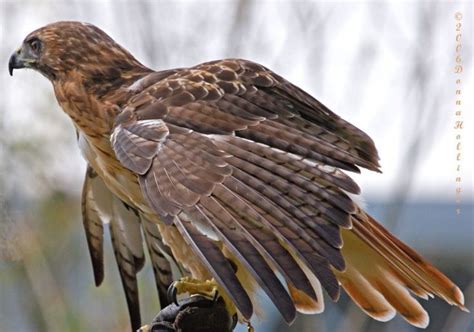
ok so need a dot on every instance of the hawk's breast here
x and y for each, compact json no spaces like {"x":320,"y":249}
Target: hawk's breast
{"x":124,"y":184}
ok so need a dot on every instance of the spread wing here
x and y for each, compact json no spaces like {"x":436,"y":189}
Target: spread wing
{"x":100,"y":206}
{"x":229,"y":150}
{"x":192,"y":138}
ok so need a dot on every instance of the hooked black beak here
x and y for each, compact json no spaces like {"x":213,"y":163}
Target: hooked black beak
{"x":15,"y":62}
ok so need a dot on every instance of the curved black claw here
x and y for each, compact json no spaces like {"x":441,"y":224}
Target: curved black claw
{"x":172,"y":294}
{"x":216,"y":296}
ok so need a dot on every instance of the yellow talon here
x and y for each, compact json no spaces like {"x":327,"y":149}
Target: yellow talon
{"x":144,"y":328}
{"x":193,"y":286}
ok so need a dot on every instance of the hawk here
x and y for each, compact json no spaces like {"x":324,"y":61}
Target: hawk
{"x":230,"y":175}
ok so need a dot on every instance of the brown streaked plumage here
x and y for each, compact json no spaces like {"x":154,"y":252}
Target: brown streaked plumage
{"x":225,"y":165}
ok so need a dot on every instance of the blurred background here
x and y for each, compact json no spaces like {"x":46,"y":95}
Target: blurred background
{"x":387,"y":67}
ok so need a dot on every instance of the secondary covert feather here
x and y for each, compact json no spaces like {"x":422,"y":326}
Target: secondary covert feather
{"x":230,"y":172}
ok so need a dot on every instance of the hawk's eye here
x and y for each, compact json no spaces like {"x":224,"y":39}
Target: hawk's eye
{"x":35,"y":44}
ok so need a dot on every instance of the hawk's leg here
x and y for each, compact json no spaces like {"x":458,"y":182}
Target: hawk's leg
{"x":207,"y":288}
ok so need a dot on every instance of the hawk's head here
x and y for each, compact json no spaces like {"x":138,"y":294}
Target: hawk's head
{"x":59,"y":48}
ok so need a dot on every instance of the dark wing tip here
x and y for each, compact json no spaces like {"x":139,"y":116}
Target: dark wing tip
{"x":134,"y":312}
{"x":245,"y":307}
{"x":126,"y":266}
{"x":93,"y":228}
{"x":289,"y":315}
{"x":98,"y":269}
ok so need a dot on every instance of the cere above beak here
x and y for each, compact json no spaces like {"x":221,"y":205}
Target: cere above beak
{"x":15,"y":62}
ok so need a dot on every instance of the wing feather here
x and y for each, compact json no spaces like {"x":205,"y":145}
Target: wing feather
{"x":127,"y":269}
{"x":93,"y":226}
{"x":217,"y":263}
{"x":101,"y":206}
{"x":382,"y":270}
{"x":248,"y":220}
{"x":161,"y":265}
{"x":225,"y":226}
{"x":282,"y":144}
{"x":292,"y":163}
{"x":245,"y":163}
{"x":291,"y":233}
{"x":125,"y":232}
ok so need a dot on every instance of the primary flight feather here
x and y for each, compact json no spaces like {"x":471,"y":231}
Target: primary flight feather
{"x":231,"y":173}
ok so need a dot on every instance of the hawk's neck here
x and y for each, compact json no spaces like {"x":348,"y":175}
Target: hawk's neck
{"x":94,"y":101}
{"x":106,"y":82}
